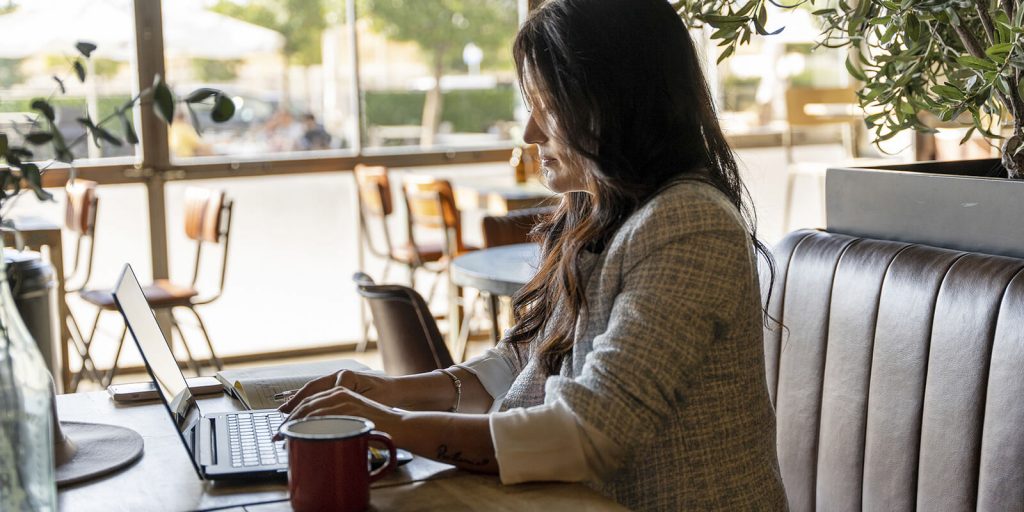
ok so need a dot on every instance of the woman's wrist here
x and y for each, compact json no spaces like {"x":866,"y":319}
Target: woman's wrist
{"x":432,"y":391}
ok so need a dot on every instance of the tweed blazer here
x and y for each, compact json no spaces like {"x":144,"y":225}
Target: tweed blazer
{"x":668,"y":361}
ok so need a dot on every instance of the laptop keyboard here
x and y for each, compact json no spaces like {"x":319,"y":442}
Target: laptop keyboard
{"x":249,"y":438}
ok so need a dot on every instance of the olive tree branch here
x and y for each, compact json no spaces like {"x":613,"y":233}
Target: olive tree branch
{"x":990,"y":30}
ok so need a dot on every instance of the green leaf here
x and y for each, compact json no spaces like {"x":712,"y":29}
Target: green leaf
{"x":998,"y":50}
{"x":79,"y":70}
{"x":85,"y":48}
{"x":976,"y":63}
{"x":196,"y":125}
{"x":163,"y":100}
{"x":725,"y":55}
{"x":201,"y":94}
{"x":948,"y":92}
{"x":39,"y":138}
{"x":43,"y":107}
{"x":718,"y":18}
{"x":129,"y":131}
{"x":34,"y":178}
{"x":19,"y":153}
{"x":855,"y":71}
{"x":967,"y":136}
{"x":102,"y":133}
{"x":223,"y":109}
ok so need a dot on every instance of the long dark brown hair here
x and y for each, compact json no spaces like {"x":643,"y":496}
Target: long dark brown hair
{"x":625,"y":87}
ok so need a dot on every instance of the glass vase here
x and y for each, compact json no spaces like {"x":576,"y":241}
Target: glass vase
{"x":27,"y":481}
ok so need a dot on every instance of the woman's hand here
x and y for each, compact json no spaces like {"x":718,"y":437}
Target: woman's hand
{"x":341,"y":401}
{"x":379,"y":388}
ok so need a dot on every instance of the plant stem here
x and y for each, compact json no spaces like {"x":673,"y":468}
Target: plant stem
{"x":103,"y":121}
{"x":990,"y":30}
{"x":970,"y":43}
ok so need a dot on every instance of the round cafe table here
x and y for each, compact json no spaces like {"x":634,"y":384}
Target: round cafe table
{"x":496,"y":272}
{"x":499,"y":271}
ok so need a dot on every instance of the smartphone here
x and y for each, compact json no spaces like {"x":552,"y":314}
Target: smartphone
{"x":140,"y":391}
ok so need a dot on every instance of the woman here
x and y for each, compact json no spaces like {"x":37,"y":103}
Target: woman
{"x":636,"y":362}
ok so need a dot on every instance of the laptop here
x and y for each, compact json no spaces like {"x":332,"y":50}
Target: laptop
{"x":223,"y":445}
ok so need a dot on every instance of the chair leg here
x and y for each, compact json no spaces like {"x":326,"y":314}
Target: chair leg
{"x":86,"y":350}
{"x":184,"y":343}
{"x":465,"y":329}
{"x":117,"y":356}
{"x":88,"y":365}
{"x":492,"y":310}
{"x":206,"y":335}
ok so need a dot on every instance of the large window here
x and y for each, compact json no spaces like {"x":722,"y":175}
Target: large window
{"x":431,"y":74}
{"x":437,"y":73}
{"x":38,"y":59}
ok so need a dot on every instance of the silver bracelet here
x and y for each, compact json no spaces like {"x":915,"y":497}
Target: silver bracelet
{"x":458,"y":388}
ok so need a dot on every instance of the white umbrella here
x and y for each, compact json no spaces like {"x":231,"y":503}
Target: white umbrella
{"x":54,"y":26}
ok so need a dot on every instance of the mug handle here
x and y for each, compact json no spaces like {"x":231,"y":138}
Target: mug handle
{"x":385,"y":439}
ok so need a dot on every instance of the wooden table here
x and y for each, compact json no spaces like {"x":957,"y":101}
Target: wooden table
{"x":164,"y":479}
{"x":37,"y":233}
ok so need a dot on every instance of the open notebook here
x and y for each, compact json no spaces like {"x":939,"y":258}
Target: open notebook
{"x":256,"y":387}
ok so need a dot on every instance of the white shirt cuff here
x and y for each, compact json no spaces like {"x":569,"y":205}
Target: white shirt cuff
{"x":539,"y":444}
{"x":495,"y":373}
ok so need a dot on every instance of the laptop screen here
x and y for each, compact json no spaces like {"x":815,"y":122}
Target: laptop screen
{"x":155,"y":351}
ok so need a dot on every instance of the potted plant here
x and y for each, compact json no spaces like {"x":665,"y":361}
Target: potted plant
{"x":959,"y":61}
{"x":32,"y":440}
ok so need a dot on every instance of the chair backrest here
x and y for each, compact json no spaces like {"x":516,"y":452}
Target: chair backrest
{"x":814,"y":107}
{"x":431,"y":205}
{"x":407,"y":335}
{"x":208,"y":221}
{"x":373,"y":192}
{"x":374,"y":189}
{"x":80,"y":219}
{"x":513,"y":228}
{"x":897,"y":378}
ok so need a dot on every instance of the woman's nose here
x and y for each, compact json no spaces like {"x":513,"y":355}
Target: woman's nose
{"x":533,"y":133}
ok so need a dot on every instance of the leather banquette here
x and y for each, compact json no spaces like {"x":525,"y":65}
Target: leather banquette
{"x":897,"y":376}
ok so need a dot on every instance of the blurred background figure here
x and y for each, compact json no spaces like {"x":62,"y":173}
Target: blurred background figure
{"x":283,"y":133}
{"x":183,"y":138}
{"x":314,"y":136}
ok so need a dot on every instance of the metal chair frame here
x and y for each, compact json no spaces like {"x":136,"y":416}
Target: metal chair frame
{"x":220,"y":235}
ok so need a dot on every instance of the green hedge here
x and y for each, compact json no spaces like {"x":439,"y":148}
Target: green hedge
{"x":469,"y":111}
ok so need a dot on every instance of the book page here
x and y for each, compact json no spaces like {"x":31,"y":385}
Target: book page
{"x":255,"y":387}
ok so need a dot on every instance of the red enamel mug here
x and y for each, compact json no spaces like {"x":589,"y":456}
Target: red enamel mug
{"x":328,"y":462}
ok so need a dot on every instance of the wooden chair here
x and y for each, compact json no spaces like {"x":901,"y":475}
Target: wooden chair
{"x":409,"y":340}
{"x":373,"y":188}
{"x":430,"y":207}
{"x":808,"y":108}
{"x":80,"y":220}
{"x":373,"y":193}
{"x":207,"y":221}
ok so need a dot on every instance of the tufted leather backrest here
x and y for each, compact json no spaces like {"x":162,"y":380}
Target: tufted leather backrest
{"x":898,"y":379}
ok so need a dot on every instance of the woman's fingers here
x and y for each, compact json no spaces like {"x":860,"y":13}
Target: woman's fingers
{"x":311,"y":388}
{"x":326,"y":399}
